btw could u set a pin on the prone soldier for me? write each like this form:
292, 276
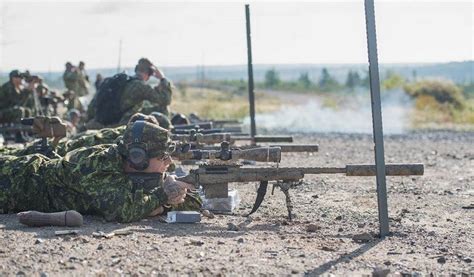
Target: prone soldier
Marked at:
122, 182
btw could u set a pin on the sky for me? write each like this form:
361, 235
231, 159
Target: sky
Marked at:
43, 35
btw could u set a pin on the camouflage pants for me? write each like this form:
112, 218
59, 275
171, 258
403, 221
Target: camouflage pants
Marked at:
21, 185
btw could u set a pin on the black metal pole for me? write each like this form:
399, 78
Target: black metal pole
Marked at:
253, 128
377, 117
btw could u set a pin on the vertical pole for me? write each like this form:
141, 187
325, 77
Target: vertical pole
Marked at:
377, 117
253, 129
119, 56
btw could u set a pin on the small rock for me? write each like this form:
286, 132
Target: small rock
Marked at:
84, 240
387, 263
39, 241
232, 227
43, 274
240, 240
220, 242
324, 215
467, 260
444, 250
196, 242
380, 272
207, 214
329, 249
100, 247
20, 273
294, 271
431, 233
361, 225
312, 228
315, 196
340, 230
362, 238
116, 261
442, 260
339, 217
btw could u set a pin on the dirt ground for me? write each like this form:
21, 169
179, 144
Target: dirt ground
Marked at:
432, 224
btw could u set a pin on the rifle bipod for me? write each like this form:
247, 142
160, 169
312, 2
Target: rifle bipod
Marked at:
284, 186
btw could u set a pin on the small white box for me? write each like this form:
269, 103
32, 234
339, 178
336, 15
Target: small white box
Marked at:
183, 217
222, 205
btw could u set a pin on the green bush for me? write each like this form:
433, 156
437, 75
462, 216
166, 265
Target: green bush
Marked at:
442, 91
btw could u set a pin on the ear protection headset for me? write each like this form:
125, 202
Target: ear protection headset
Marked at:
137, 150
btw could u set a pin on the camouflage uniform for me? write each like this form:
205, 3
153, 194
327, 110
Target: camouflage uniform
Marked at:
82, 83
84, 139
90, 180
14, 103
138, 96
71, 80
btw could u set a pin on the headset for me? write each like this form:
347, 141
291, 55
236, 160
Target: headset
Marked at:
137, 150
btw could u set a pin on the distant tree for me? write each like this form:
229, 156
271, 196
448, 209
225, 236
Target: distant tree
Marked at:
304, 80
393, 81
365, 82
414, 75
272, 78
327, 82
353, 80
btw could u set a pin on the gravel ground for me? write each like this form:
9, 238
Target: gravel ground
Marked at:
431, 223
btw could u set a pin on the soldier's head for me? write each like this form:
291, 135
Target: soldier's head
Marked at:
144, 69
81, 65
163, 120
69, 66
74, 116
179, 119
140, 116
15, 77
146, 147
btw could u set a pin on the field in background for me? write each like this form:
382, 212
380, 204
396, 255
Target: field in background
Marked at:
219, 104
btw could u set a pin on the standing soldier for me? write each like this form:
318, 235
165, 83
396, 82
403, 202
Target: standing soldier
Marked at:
83, 80
98, 81
71, 77
120, 96
137, 93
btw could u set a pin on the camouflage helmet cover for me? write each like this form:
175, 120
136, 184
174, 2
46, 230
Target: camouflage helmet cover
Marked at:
155, 138
163, 120
140, 116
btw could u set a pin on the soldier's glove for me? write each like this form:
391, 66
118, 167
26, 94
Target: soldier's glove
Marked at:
49, 127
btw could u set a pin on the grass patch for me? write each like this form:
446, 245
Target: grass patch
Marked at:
219, 104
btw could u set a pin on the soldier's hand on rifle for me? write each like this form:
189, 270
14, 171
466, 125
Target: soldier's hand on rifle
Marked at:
175, 190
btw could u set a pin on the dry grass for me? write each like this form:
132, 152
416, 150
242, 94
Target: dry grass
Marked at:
429, 113
216, 104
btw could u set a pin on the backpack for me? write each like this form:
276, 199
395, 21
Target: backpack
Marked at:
107, 102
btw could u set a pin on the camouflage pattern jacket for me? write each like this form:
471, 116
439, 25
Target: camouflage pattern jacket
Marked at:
137, 92
71, 80
88, 180
11, 97
85, 139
